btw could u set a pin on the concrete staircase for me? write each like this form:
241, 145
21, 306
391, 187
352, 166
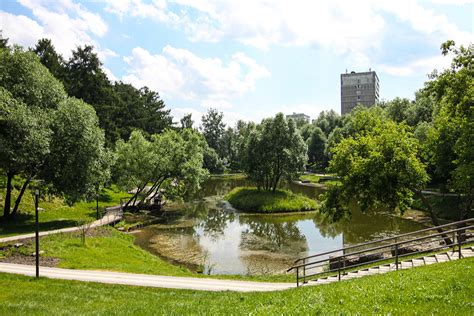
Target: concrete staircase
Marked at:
402, 265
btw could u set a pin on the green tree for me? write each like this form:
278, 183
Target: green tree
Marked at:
213, 129
450, 139
379, 168
43, 133
316, 146
86, 80
327, 121
24, 144
187, 121
76, 151
274, 151
172, 158
48, 56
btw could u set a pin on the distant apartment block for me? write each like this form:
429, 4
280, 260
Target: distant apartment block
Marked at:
298, 117
358, 88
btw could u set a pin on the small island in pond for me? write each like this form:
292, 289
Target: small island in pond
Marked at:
250, 199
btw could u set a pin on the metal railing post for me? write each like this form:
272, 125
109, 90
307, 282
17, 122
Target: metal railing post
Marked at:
339, 269
454, 241
459, 243
297, 275
396, 256
304, 271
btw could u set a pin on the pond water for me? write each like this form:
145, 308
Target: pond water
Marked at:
208, 235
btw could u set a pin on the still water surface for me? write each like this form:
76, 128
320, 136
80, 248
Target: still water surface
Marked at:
209, 234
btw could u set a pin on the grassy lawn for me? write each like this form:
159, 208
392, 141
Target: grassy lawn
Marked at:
250, 199
443, 289
56, 213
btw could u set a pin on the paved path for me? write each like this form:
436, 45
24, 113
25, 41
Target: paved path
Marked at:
112, 215
170, 282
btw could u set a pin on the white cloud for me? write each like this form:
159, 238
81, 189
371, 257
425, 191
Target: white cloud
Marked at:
180, 73
66, 23
419, 66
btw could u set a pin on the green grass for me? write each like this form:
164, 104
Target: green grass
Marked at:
442, 289
250, 199
310, 177
56, 213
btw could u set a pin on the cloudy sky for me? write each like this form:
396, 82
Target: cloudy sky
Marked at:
250, 58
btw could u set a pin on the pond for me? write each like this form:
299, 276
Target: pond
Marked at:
208, 235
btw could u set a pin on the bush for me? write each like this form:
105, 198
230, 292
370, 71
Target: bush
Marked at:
251, 199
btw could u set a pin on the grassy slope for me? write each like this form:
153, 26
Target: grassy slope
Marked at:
443, 289
253, 200
56, 214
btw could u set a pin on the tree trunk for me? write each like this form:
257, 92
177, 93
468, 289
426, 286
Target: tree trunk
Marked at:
20, 196
433, 217
8, 196
134, 197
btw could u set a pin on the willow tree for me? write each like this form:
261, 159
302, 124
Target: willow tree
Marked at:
172, 158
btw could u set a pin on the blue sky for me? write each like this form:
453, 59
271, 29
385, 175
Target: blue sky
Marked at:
250, 58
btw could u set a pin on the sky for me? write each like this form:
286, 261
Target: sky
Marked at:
250, 58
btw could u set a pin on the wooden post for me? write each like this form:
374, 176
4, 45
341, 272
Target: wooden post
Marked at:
459, 243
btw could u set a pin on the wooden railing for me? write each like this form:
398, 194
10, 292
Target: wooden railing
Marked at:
388, 250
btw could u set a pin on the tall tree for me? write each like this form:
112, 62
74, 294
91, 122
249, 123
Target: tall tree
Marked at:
316, 146
275, 151
50, 58
213, 128
87, 81
187, 121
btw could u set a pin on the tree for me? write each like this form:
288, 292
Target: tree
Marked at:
450, 139
24, 144
213, 129
316, 147
275, 151
187, 121
48, 56
87, 81
3, 41
76, 151
327, 121
172, 158
379, 168
398, 109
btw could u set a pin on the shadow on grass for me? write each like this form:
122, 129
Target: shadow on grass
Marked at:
25, 223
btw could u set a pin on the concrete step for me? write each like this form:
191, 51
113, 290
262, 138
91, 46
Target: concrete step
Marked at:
430, 259
442, 257
406, 265
418, 262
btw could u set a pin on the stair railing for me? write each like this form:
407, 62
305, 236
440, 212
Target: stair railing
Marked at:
339, 262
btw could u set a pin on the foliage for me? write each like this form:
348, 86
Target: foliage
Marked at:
44, 134
254, 200
435, 289
274, 151
212, 161
172, 158
327, 121
187, 121
48, 56
316, 146
213, 129
77, 159
378, 167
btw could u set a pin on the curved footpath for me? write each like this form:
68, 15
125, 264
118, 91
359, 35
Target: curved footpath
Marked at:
112, 215
170, 282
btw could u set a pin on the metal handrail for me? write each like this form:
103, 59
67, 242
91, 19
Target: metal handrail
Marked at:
395, 246
386, 239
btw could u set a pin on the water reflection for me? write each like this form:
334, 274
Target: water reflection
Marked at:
209, 234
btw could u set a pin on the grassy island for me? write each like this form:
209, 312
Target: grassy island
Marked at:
251, 199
